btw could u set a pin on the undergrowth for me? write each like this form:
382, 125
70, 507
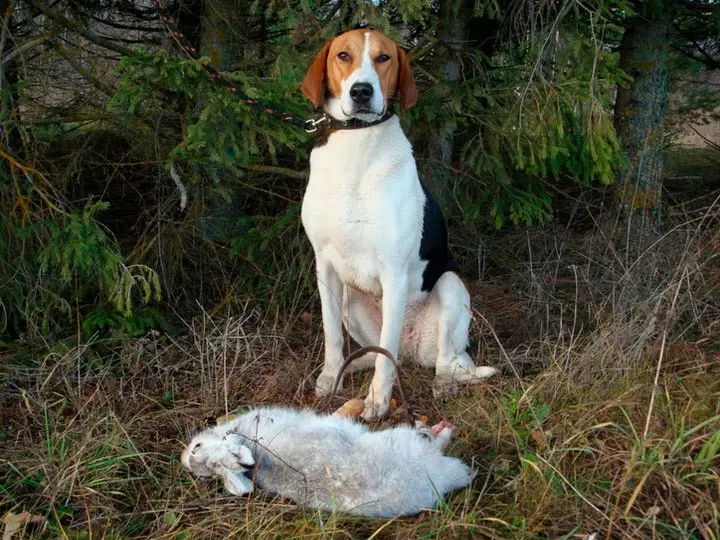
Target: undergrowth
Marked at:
605, 422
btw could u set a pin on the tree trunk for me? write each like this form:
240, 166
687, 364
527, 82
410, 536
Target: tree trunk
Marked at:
640, 116
222, 32
452, 34
10, 135
189, 20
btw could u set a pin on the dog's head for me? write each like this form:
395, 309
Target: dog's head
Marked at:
357, 75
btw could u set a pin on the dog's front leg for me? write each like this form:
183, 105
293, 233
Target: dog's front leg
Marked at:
394, 303
331, 291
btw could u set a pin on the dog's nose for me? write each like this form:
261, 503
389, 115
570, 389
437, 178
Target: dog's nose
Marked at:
361, 92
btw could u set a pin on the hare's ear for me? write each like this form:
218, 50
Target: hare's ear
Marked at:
241, 455
245, 457
313, 85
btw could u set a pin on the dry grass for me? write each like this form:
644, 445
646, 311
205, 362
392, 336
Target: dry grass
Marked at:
606, 422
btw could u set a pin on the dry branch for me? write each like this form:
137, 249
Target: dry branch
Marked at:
92, 79
63, 21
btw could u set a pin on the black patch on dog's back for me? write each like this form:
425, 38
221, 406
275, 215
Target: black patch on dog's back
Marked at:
434, 245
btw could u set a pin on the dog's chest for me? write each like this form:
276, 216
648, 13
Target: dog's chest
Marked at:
362, 209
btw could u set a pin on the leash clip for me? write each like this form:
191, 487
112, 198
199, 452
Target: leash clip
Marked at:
312, 125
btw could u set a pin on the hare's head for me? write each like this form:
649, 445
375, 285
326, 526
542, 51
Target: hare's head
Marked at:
210, 452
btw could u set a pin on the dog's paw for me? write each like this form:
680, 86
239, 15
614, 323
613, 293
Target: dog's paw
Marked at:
447, 379
324, 384
485, 372
375, 408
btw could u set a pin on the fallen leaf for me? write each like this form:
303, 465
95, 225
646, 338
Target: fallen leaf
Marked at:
15, 523
539, 438
224, 419
351, 409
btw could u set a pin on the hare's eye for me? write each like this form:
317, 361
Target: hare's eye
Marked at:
196, 447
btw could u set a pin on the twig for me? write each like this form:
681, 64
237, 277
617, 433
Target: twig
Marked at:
299, 175
17, 51
662, 354
3, 37
711, 144
334, 10
87, 75
181, 187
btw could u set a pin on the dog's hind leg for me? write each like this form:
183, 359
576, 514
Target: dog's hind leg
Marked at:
453, 363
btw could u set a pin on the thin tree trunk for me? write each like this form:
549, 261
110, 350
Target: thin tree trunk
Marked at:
9, 77
189, 20
640, 111
222, 32
452, 33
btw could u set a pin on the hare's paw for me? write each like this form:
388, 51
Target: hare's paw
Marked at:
443, 432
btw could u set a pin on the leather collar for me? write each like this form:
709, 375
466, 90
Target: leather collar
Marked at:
314, 124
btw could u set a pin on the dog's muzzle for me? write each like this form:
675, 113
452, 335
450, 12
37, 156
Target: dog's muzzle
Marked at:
361, 94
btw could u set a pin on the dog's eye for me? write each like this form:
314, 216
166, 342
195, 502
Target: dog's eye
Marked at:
343, 56
383, 58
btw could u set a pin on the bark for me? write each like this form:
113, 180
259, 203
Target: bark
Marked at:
222, 32
9, 77
455, 28
640, 110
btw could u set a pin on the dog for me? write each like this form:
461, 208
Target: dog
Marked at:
384, 269
330, 462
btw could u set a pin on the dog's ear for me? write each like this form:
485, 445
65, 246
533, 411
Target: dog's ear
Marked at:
313, 85
406, 82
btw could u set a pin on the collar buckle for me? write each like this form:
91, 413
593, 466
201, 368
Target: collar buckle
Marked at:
313, 124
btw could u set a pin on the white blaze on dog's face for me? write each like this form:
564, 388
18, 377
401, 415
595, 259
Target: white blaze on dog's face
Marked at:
357, 74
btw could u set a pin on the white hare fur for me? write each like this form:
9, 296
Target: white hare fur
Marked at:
330, 462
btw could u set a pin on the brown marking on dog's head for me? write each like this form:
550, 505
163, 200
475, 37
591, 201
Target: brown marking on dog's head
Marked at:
339, 58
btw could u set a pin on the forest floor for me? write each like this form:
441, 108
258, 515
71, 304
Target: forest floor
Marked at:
605, 422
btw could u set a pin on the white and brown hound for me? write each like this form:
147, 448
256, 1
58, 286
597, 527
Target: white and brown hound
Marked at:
384, 269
